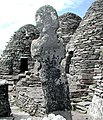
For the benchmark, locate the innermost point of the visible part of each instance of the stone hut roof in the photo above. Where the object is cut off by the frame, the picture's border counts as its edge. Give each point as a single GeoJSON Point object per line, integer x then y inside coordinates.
{"type": "Point", "coordinates": [88, 44]}
{"type": "Point", "coordinates": [68, 25]}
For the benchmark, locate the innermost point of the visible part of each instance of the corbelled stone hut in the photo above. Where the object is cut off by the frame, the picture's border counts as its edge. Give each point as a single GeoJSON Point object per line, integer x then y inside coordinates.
{"type": "Point", "coordinates": [86, 46]}
{"type": "Point", "coordinates": [69, 22]}
{"type": "Point", "coordinates": [68, 25]}
{"type": "Point", "coordinates": [16, 57]}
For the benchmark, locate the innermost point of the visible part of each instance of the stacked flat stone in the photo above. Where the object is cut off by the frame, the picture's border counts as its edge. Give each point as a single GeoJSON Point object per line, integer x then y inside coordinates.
{"type": "Point", "coordinates": [68, 25]}
{"type": "Point", "coordinates": [49, 52]}
{"type": "Point", "coordinates": [17, 47]}
{"type": "Point", "coordinates": [96, 107]}
{"type": "Point", "coordinates": [98, 77]}
{"type": "Point", "coordinates": [87, 42]}
{"type": "Point", "coordinates": [5, 110]}
{"type": "Point", "coordinates": [29, 94]}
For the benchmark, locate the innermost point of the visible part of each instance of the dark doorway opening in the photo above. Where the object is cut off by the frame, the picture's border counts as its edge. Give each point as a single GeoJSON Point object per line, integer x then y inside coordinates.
{"type": "Point", "coordinates": [68, 61]}
{"type": "Point", "coordinates": [23, 64]}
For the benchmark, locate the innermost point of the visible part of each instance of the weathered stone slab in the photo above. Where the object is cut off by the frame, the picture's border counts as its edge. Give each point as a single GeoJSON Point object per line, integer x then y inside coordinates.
{"type": "Point", "coordinates": [49, 52]}
{"type": "Point", "coordinates": [7, 118]}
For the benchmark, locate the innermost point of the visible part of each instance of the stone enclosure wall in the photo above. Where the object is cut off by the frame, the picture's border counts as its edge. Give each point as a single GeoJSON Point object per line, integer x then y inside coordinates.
{"type": "Point", "coordinates": [29, 94]}
{"type": "Point", "coordinates": [5, 110]}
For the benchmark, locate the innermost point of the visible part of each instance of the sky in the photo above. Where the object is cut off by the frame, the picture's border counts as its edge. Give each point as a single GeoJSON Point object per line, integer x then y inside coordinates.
{"type": "Point", "coordinates": [16, 13]}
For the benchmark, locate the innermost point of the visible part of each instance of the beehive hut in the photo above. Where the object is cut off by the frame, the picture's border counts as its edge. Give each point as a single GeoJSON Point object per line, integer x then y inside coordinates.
{"type": "Point", "coordinates": [16, 57]}
{"type": "Point", "coordinates": [68, 25]}
{"type": "Point", "coordinates": [87, 47]}
{"type": "Point", "coordinates": [69, 22]}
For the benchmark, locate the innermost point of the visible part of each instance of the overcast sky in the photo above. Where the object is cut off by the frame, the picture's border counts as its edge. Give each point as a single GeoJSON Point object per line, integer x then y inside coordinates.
{"type": "Point", "coordinates": [16, 13]}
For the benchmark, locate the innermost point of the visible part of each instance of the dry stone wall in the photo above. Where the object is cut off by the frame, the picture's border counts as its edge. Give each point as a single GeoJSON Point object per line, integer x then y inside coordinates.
{"type": "Point", "coordinates": [86, 45]}
{"type": "Point", "coordinates": [68, 25]}
{"type": "Point", "coordinates": [95, 110]}
{"type": "Point", "coordinates": [5, 110]}
{"type": "Point", "coordinates": [29, 94]}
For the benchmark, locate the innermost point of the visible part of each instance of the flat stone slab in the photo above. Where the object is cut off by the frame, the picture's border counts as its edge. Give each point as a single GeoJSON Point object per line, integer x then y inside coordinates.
{"type": "Point", "coordinates": [7, 118]}
{"type": "Point", "coordinates": [3, 82]}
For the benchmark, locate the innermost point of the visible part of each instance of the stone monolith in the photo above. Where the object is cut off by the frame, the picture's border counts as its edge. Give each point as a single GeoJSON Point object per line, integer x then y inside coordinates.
{"type": "Point", "coordinates": [48, 52]}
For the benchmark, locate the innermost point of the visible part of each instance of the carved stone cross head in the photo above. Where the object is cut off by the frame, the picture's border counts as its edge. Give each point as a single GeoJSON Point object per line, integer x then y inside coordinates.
{"type": "Point", "coordinates": [46, 18]}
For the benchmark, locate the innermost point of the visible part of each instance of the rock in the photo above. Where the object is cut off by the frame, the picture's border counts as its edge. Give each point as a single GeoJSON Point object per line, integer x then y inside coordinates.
{"type": "Point", "coordinates": [54, 117]}
{"type": "Point", "coordinates": [95, 109]}
{"type": "Point", "coordinates": [3, 82]}
{"type": "Point", "coordinates": [6, 118]}
{"type": "Point", "coordinates": [58, 117]}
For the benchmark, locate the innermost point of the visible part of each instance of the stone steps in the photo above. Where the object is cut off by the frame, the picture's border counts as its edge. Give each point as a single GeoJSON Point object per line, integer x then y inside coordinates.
{"type": "Point", "coordinates": [81, 107]}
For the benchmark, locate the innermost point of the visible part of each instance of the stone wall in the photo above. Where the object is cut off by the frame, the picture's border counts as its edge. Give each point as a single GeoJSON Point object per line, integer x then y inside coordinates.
{"type": "Point", "coordinates": [5, 110]}
{"type": "Point", "coordinates": [29, 94]}
{"type": "Point", "coordinates": [86, 45]}
{"type": "Point", "coordinates": [68, 25]}
{"type": "Point", "coordinates": [95, 109]}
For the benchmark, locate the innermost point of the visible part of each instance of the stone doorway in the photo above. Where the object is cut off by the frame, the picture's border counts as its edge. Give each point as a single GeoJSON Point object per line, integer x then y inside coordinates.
{"type": "Point", "coordinates": [23, 64]}
{"type": "Point", "coordinates": [68, 61]}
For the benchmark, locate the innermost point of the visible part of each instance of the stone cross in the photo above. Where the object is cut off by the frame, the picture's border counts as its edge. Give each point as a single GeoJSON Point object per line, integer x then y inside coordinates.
{"type": "Point", "coordinates": [48, 51]}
